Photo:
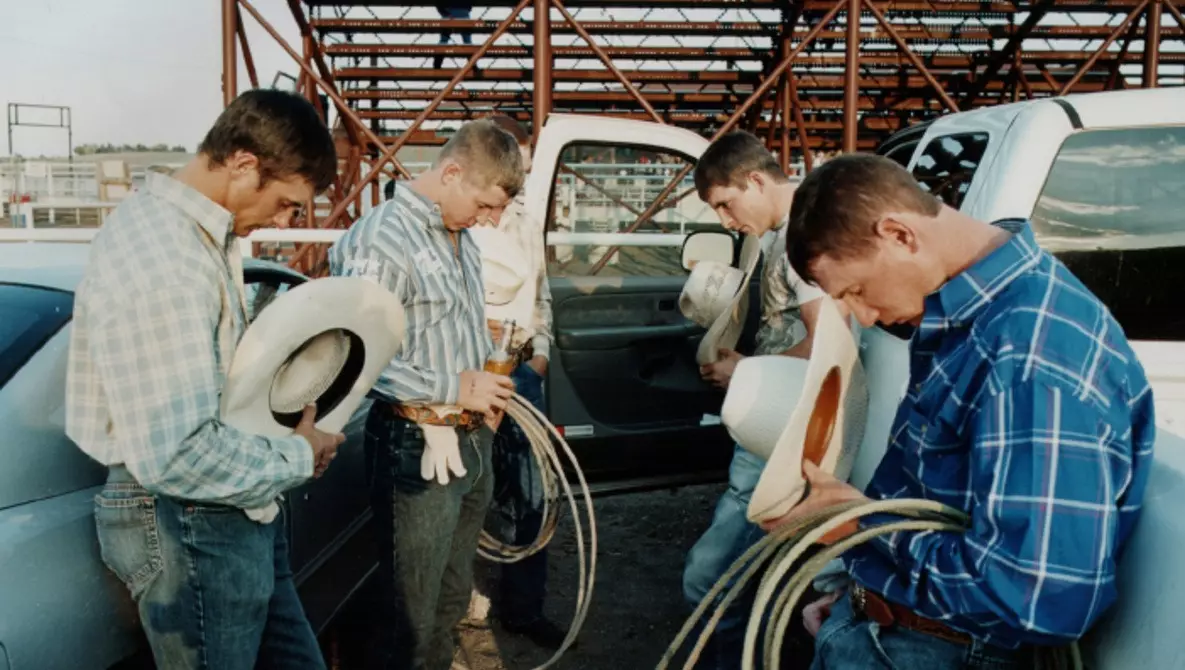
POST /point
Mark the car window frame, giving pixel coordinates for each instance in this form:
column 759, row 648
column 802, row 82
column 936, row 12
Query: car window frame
column 549, row 220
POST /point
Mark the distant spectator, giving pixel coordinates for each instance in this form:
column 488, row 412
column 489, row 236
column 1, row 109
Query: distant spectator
column 453, row 10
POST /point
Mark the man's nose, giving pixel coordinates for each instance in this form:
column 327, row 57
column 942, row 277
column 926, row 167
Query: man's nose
column 864, row 314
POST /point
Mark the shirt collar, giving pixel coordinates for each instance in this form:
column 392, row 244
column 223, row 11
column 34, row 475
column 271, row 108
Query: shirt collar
column 421, row 204
column 964, row 296
column 212, row 217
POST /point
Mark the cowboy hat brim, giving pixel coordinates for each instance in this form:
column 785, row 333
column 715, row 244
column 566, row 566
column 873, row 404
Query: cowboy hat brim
column 725, row 331
column 827, row 423
column 373, row 322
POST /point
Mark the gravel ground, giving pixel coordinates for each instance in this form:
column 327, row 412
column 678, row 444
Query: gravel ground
column 637, row 603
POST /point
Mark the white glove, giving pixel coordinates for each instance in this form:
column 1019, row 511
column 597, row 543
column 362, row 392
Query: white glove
column 442, row 453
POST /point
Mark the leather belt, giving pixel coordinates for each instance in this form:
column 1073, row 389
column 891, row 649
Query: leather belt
column 465, row 419
column 887, row 614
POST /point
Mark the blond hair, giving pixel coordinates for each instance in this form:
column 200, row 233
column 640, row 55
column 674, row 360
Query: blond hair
column 488, row 154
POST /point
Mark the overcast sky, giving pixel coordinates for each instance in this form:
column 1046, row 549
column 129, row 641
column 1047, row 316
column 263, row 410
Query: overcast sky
column 149, row 71
column 134, row 71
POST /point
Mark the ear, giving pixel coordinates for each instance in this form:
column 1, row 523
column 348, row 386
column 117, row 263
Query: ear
column 759, row 179
column 450, row 173
column 897, row 232
column 242, row 162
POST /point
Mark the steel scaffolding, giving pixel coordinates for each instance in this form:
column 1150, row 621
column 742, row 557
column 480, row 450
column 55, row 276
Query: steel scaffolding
column 807, row 75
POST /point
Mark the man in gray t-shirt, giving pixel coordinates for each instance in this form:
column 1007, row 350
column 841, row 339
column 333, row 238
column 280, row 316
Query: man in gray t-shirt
column 740, row 180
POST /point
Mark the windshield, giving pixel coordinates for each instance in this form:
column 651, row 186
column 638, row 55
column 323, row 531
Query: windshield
column 28, row 317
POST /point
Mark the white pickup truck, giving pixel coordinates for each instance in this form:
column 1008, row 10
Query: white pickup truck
column 1102, row 178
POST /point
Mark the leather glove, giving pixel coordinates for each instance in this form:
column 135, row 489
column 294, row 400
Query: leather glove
column 442, row 454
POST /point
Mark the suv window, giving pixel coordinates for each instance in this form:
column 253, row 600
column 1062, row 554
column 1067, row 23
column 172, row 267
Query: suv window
column 28, row 317
column 1111, row 209
column 602, row 188
column 948, row 164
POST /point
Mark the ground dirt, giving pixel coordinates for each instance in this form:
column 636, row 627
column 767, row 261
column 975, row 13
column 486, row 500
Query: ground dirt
column 637, row 604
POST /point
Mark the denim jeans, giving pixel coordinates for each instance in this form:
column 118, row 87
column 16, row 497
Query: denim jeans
column 729, row 535
column 213, row 588
column 427, row 537
column 847, row 641
column 518, row 500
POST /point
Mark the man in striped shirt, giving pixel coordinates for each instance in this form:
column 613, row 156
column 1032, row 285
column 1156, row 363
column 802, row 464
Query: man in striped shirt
column 157, row 317
column 1026, row 409
column 431, row 516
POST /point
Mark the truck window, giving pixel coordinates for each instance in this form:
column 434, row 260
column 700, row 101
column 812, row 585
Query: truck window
column 948, row 164
column 1112, row 211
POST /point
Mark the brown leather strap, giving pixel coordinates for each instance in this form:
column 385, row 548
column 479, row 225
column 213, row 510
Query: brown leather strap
column 888, row 614
column 465, row 419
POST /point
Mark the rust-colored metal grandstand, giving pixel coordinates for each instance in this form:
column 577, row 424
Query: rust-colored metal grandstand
column 819, row 75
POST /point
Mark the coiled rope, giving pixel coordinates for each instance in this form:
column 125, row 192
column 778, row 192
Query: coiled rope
column 779, row 552
column 543, row 438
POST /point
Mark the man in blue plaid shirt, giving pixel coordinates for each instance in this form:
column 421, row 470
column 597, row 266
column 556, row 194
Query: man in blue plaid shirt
column 1026, row 408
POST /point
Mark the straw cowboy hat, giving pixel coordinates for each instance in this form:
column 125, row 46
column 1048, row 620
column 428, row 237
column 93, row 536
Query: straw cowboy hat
column 787, row 410
column 325, row 341
column 504, row 273
column 716, row 296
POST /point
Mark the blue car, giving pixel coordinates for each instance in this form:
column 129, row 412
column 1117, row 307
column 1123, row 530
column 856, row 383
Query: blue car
column 60, row 607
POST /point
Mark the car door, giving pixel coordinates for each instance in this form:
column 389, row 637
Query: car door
column 329, row 555
column 623, row 384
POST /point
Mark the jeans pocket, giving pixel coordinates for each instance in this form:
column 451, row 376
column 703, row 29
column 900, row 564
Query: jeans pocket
column 129, row 537
column 406, row 450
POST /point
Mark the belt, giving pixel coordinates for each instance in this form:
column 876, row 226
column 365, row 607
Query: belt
column 887, row 614
column 465, row 419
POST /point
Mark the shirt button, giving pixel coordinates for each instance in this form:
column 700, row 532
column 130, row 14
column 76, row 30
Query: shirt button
column 917, row 388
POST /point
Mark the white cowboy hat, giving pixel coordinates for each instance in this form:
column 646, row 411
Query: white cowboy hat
column 324, row 341
column 785, row 409
column 716, row 296
column 504, row 269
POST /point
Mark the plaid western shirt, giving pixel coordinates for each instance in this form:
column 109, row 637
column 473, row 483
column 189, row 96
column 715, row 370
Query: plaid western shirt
column 404, row 246
column 157, row 317
column 1028, row 410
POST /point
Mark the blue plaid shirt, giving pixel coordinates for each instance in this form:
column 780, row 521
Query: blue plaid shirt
column 1028, row 410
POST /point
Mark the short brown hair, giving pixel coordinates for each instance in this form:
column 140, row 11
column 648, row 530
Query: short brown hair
column 489, row 154
column 513, row 127
column 282, row 130
column 836, row 207
column 729, row 160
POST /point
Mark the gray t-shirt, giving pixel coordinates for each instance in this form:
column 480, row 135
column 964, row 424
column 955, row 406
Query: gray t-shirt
column 782, row 292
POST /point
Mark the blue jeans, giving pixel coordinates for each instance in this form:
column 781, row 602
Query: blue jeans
column 213, row 588
column 518, row 499
column 850, row 642
column 427, row 538
column 726, row 539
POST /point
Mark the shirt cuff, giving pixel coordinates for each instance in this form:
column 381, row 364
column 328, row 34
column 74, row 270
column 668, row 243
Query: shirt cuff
column 451, row 388
column 298, row 452
column 542, row 346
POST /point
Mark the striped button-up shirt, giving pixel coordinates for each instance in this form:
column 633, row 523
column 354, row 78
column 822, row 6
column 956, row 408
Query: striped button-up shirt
column 404, row 246
column 1028, row 410
column 157, row 317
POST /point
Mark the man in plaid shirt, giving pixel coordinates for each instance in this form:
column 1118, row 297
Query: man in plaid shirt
column 1026, row 409
column 188, row 517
